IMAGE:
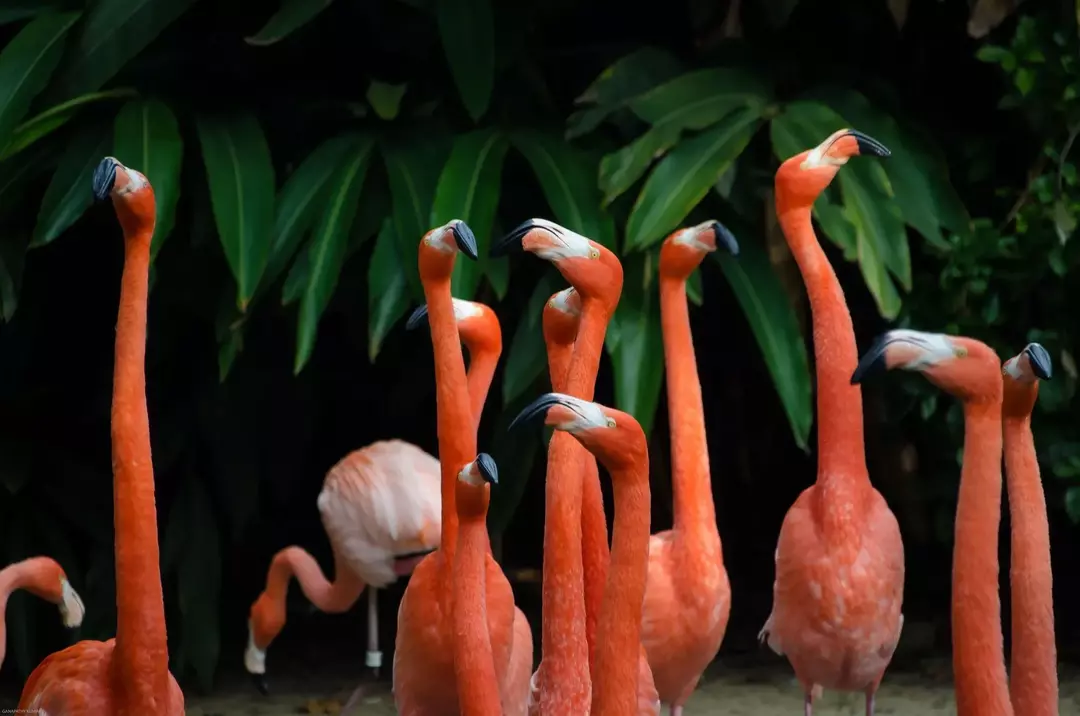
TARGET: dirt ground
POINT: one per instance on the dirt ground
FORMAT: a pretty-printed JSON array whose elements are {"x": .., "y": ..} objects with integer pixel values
[{"x": 742, "y": 692}]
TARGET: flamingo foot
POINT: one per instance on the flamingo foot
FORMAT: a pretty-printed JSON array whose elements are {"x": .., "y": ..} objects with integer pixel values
[
  {"x": 808, "y": 706},
  {"x": 260, "y": 683},
  {"x": 870, "y": 705}
]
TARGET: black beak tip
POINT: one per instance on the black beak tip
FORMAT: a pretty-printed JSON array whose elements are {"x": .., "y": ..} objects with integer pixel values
[
  {"x": 260, "y": 683},
  {"x": 104, "y": 178},
  {"x": 725, "y": 237},
  {"x": 1041, "y": 363},
  {"x": 869, "y": 145},
  {"x": 534, "y": 409},
  {"x": 466, "y": 241},
  {"x": 418, "y": 317},
  {"x": 512, "y": 241},
  {"x": 488, "y": 469},
  {"x": 871, "y": 363}
]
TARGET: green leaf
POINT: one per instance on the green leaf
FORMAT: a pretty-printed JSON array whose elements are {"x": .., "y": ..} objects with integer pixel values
[
  {"x": 147, "y": 138},
  {"x": 685, "y": 176},
  {"x": 834, "y": 222},
  {"x": 568, "y": 180},
  {"x": 619, "y": 170},
  {"x": 413, "y": 169},
  {"x": 635, "y": 343},
  {"x": 297, "y": 278},
  {"x": 114, "y": 32},
  {"x": 328, "y": 245},
  {"x": 68, "y": 194},
  {"x": 299, "y": 201},
  {"x": 241, "y": 180},
  {"x": 17, "y": 173},
  {"x": 764, "y": 303},
  {"x": 199, "y": 579},
  {"x": 53, "y": 118},
  {"x": 519, "y": 449},
  {"x": 498, "y": 275},
  {"x": 702, "y": 98},
  {"x": 385, "y": 99},
  {"x": 388, "y": 293},
  {"x": 630, "y": 76},
  {"x": 12, "y": 259},
  {"x": 26, "y": 64},
  {"x": 292, "y": 15},
  {"x": 1072, "y": 504},
  {"x": 229, "y": 331},
  {"x": 527, "y": 357},
  {"x": 467, "y": 29},
  {"x": 694, "y": 291},
  {"x": 15, "y": 10},
  {"x": 468, "y": 189}
]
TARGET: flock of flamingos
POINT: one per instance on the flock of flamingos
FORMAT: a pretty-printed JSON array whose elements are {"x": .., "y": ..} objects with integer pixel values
[{"x": 626, "y": 630}]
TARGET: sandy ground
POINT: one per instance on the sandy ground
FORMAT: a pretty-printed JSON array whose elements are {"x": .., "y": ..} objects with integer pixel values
[{"x": 742, "y": 692}]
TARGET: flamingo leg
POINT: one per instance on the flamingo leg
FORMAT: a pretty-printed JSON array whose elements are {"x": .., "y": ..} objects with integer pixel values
[
  {"x": 870, "y": 704},
  {"x": 808, "y": 705},
  {"x": 373, "y": 658},
  {"x": 676, "y": 710}
]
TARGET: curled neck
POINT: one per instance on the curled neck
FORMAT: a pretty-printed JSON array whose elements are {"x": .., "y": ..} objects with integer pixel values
[
  {"x": 841, "y": 456},
  {"x": 978, "y": 653},
  {"x": 457, "y": 436},
  {"x": 474, "y": 665},
  {"x": 1033, "y": 681},
  {"x": 482, "y": 365},
  {"x": 330, "y": 597},
  {"x": 615, "y": 691},
  {"x": 142, "y": 657},
  {"x": 38, "y": 575},
  {"x": 695, "y": 515}
]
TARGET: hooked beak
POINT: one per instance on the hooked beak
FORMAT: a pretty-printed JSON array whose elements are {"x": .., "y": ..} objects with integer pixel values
[
  {"x": 485, "y": 465},
  {"x": 464, "y": 238},
  {"x": 1039, "y": 357},
  {"x": 721, "y": 237},
  {"x": 418, "y": 317},
  {"x": 104, "y": 178},
  {"x": 511, "y": 243},
  {"x": 867, "y": 144},
  {"x": 873, "y": 361},
  {"x": 540, "y": 407},
  {"x": 907, "y": 349}
]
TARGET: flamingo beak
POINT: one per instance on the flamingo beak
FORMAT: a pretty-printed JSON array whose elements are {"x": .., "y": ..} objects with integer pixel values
[
  {"x": 511, "y": 243},
  {"x": 418, "y": 317},
  {"x": 866, "y": 144},
  {"x": 463, "y": 236},
  {"x": 104, "y": 178},
  {"x": 485, "y": 465},
  {"x": 537, "y": 408},
  {"x": 1041, "y": 364},
  {"x": 725, "y": 238}
]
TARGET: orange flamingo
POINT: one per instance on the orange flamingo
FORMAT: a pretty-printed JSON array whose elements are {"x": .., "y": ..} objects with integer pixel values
[
  {"x": 839, "y": 559},
  {"x": 380, "y": 507},
  {"x": 128, "y": 675},
  {"x": 688, "y": 597},
  {"x": 1033, "y": 682},
  {"x": 474, "y": 665},
  {"x": 971, "y": 371},
  {"x": 44, "y": 578},
  {"x": 424, "y": 679},
  {"x": 616, "y": 439}
]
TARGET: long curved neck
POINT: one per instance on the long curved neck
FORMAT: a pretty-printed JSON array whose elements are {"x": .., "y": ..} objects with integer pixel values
[
  {"x": 482, "y": 364},
  {"x": 474, "y": 665},
  {"x": 978, "y": 653},
  {"x": 1033, "y": 682},
  {"x": 327, "y": 596},
  {"x": 615, "y": 689},
  {"x": 141, "y": 649},
  {"x": 841, "y": 452},
  {"x": 695, "y": 515},
  {"x": 32, "y": 575},
  {"x": 457, "y": 438}
]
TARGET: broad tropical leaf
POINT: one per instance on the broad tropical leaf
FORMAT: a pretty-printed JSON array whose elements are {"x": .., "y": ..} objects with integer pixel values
[
  {"x": 388, "y": 293},
  {"x": 292, "y": 15},
  {"x": 568, "y": 180},
  {"x": 12, "y": 257},
  {"x": 147, "y": 138},
  {"x": 241, "y": 179},
  {"x": 199, "y": 579},
  {"x": 467, "y": 29},
  {"x": 621, "y": 169},
  {"x": 635, "y": 343},
  {"x": 53, "y": 118},
  {"x": 68, "y": 194},
  {"x": 468, "y": 189},
  {"x": 26, "y": 64},
  {"x": 328, "y": 245},
  {"x": 694, "y": 290},
  {"x": 685, "y": 176},
  {"x": 15, "y": 10},
  {"x": 702, "y": 98},
  {"x": 527, "y": 357},
  {"x": 385, "y": 98}
]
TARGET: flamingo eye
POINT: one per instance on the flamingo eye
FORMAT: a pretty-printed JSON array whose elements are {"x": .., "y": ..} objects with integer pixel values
[
  {"x": 594, "y": 254},
  {"x": 611, "y": 422},
  {"x": 960, "y": 352}
]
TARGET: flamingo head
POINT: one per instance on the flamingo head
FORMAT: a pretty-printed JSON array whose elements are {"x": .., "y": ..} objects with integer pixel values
[
  {"x": 562, "y": 316},
  {"x": 440, "y": 246},
  {"x": 132, "y": 196},
  {"x": 683, "y": 251},
  {"x": 265, "y": 621},
  {"x": 801, "y": 179},
  {"x": 477, "y": 325},
  {"x": 71, "y": 605},
  {"x": 963, "y": 367},
  {"x": 473, "y": 486},
  {"x": 614, "y": 437},
  {"x": 1021, "y": 376},
  {"x": 588, "y": 266}
]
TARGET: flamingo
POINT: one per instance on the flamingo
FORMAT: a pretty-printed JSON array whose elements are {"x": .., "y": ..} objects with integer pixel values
[
  {"x": 380, "y": 507},
  {"x": 474, "y": 665},
  {"x": 127, "y": 675},
  {"x": 839, "y": 585},
  {"x": 617, "y": 440},
  {"x": 1033, "y": 682},
  {"x": 970, "y": 371},
  {"x": 44, "y": 578},
  {"x": 688, "y": 596},
  {"x": 424, "y": 679},
  {"x": 596, "y": 275}
]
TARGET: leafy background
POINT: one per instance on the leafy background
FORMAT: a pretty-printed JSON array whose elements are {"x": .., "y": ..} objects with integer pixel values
[{"x": 297, "y": 157}]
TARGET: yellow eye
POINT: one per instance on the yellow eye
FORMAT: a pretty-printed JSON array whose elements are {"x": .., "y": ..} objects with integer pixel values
[
  {"x": 611, "y": 422},
  {"x": 960, "y": 352},
  {"x": 594, "y": 254}
]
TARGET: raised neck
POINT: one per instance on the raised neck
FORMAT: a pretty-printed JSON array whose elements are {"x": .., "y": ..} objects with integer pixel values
[
  {"x": 482, "y": 364},
  {"x": 619, "y": 631},
  {"x": 978, "y": 653},
  {"x": 1033, "y": 683},
  {"x": 474, "y": 664},
  {"x": 141, "y": 649},
  {"x": 841, "y": 455},
  {"x": 695, "y": 514}
]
